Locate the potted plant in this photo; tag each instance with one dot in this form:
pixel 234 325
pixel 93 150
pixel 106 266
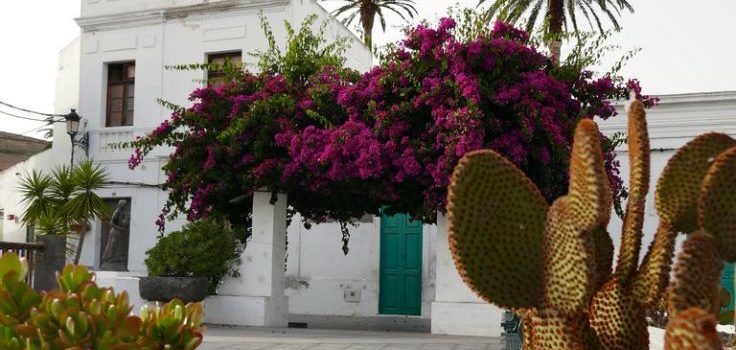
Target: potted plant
pixel 58 205
pixel 190 263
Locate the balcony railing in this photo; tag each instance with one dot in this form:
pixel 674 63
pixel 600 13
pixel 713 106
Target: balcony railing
pixel 101 141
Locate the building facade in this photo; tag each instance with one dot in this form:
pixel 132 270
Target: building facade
pixel 398 275
pixel 113 75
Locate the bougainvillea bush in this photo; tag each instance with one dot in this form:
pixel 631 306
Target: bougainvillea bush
pixel 341 144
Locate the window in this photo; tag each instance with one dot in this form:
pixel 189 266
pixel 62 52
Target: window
pixel 218 76
pixel 120 94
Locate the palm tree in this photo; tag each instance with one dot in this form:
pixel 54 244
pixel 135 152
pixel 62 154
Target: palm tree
pixel 560 16
pixel 65 202
pixel 367 10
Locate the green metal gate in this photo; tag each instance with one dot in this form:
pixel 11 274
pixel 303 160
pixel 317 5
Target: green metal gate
pixel 401 266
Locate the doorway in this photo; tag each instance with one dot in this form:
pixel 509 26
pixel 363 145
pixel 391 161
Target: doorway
pixel 400 291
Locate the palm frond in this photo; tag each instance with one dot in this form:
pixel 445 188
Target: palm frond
pixel 571 15
pixel 51 224
pixel 595 15
pixel 367 10
pixel 62 183
pixel 512 11
pixel 34 188
pixel 85 203
pixel 382 19
pixel 582 8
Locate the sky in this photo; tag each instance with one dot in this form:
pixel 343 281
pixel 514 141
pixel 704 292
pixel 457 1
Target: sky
pixel 687 46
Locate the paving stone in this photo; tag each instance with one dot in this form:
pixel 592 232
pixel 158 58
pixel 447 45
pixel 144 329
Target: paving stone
pixel 247 338
pixel 367 347
pixel 438 346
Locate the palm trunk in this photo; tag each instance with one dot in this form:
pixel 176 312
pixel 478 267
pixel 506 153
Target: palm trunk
pixel 367 18
pixel 555 48
pixel 555 19
pixel 82 233
pixel 78 253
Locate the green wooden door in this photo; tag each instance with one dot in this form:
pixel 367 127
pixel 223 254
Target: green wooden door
pixel 401 266
pixel 726 315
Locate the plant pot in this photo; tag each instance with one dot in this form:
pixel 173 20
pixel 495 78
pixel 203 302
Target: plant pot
pixel 49 262
pixel 163 289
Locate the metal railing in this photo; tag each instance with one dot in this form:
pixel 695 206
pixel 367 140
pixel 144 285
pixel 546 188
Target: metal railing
pixel 24 250
pixel 512 332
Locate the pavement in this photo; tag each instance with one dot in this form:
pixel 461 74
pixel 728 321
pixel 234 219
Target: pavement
pixel 244 338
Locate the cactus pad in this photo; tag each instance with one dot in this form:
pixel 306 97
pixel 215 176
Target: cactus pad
pixel 697 275
pixel 639 152
pixel 639 155
pixel 495 223
pixel 569 258
pixel 679 187
pixel 603 255
pixel 651 279
pixel 692 329
pixel 553 330
pixel 590 189
pixel 527 329
pixel 717 204
pixel 618 319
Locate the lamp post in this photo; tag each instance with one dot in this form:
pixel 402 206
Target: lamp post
pixel 72 128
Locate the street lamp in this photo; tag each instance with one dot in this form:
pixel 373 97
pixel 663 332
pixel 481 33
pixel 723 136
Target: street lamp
pixel 72 128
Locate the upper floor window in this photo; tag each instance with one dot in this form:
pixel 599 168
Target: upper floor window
pixel 219 76
pixel 120 94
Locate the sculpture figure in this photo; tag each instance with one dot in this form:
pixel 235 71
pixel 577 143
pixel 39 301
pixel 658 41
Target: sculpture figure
pixel 115 253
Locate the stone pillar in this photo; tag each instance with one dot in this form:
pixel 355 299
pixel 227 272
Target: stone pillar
pixel 456 309
pixel 257 298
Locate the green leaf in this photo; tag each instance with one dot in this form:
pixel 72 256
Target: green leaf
pixel 11 262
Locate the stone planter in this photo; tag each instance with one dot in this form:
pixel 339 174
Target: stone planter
pixel 49 262
pixel 163 289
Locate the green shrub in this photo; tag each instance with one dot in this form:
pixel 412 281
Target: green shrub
pixel 204 248
pixel 81 315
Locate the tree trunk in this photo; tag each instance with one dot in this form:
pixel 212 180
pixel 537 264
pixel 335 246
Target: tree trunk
pixel 555 48
pixel 555 18
pixel 78 253
pixel 82 233
pixel 367 18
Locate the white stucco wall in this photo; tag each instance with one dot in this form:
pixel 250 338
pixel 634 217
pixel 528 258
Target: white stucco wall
pixel 319 275
pixel 66 96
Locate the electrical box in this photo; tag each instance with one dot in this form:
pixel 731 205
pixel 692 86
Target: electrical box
pixel 351 294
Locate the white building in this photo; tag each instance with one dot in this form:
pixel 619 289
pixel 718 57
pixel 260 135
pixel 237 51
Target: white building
pixel 113 75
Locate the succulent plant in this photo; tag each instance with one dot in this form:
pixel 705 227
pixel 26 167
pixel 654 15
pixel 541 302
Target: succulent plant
pixel 553 264
pixel 81 315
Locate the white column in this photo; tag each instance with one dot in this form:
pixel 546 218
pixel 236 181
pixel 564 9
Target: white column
pixel 257 298
pixel 456 309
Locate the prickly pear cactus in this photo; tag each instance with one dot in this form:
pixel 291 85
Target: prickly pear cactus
pixel 553 264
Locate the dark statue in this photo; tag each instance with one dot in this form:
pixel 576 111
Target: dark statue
pixel 115 253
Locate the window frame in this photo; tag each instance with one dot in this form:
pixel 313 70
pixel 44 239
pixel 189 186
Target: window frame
pixel 210 75
pixel 127 119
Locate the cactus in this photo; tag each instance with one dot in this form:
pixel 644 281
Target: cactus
pixel 81 315
pixel 553 264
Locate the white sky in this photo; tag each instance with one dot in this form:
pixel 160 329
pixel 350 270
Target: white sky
pixel 688 46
